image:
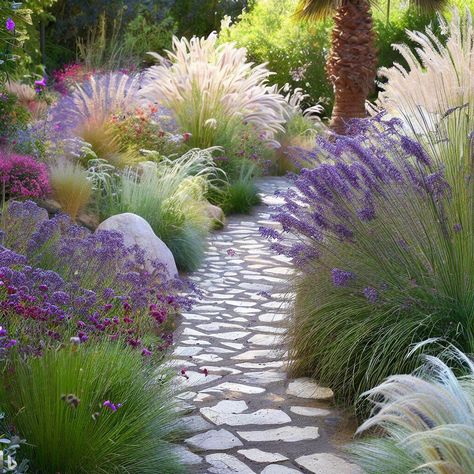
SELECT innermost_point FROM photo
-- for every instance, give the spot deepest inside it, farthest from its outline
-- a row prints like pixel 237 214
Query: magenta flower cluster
pixel 22 177
pixel 59 282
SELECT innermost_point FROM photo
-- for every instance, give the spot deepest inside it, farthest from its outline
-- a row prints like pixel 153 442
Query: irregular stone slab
pixel 260 417
pixel 272 317
pixel 137 231
pixel 214 440
pixel 251 355
pixel 307 388
pixel 310 411
pixel 201 397
pixel 216 326
pixel 265 340
pixel 193 424
pixel 186 456
pixel 257 455
pixel 263 377
pixel 187 351
pixel 195 378
pixel 230 336
pixel 261 365
pixel 326 463
pixel 228 407
pixel 226 464
pixel 278 469
pixel 236 387
pixel 270 329
pixel 233 345
pixel 186 395
pixel 287 434
pixel 208 358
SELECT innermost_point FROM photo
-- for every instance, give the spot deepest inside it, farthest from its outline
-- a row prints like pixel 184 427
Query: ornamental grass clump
pixel 425 420
pixel 71 187
pixel 87 111
pixel 92 408
pixel 170 196
pixel 439 76
pixel 384 240
pixel 213 90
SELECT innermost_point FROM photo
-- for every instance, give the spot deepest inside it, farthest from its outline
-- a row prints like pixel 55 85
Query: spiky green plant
pixel 426 421
pixel 171 197
pixel 59 402
pixel 241 194
pixel 212 90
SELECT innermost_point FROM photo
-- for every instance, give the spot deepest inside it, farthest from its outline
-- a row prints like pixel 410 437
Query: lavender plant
pixel 384 240
pixel 59 281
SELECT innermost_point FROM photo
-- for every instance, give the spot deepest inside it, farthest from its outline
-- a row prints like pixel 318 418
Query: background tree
pixel 352 62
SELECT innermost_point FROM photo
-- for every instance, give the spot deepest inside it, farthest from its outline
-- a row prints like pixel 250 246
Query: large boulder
pixel 216 216
pixel 137 231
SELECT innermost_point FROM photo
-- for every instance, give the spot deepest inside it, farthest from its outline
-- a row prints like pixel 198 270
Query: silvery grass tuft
pixel 426 420
pixel 383 235
pixel 212 90
pixel 438 78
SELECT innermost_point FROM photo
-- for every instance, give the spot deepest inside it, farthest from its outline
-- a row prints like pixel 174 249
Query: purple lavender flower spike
pixel 341 278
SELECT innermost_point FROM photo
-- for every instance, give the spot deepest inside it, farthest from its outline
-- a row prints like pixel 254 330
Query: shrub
pixel 71 187
pixel 61 281
pixel 170 196
pixel 22 176
pixel 427 421
pixel 212 90
pixel 14 117
pixel 385 243
pixel 92 408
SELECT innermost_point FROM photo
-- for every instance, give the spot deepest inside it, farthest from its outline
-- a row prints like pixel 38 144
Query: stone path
pixel 243 414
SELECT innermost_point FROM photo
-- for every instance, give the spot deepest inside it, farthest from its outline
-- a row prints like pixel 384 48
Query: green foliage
pixel 295 51
pixel 14 116
pixel 57 400
pixel 170 197
pixel 241 194
pixel 143 35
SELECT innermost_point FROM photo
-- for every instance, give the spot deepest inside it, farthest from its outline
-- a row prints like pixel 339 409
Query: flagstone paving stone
pixel 244 413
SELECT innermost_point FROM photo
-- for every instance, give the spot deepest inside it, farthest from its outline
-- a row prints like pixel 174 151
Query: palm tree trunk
pixel 352 63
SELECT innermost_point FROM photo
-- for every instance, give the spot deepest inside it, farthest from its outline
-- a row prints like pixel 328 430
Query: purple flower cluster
pixel 22 176
pixel 59 281
pixel 358 184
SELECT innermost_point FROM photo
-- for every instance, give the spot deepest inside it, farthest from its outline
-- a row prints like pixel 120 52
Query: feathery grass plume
pixel 212 89
pixel 27 98
pixel 426 420
pixel 71 186
pixel 92 408
pixel 439 77
pixel 170 196
pixel 385 244
pixel 87 110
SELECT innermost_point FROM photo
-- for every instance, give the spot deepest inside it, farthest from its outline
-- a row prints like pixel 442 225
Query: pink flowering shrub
pixel 22 177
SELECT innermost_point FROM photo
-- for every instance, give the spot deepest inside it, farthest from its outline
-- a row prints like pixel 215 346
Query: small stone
pixel 310 411
pixel 214 440
pixel 325 463
pixel 287 434
pixel 226 464
pixel 261 456
pixel 307 388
